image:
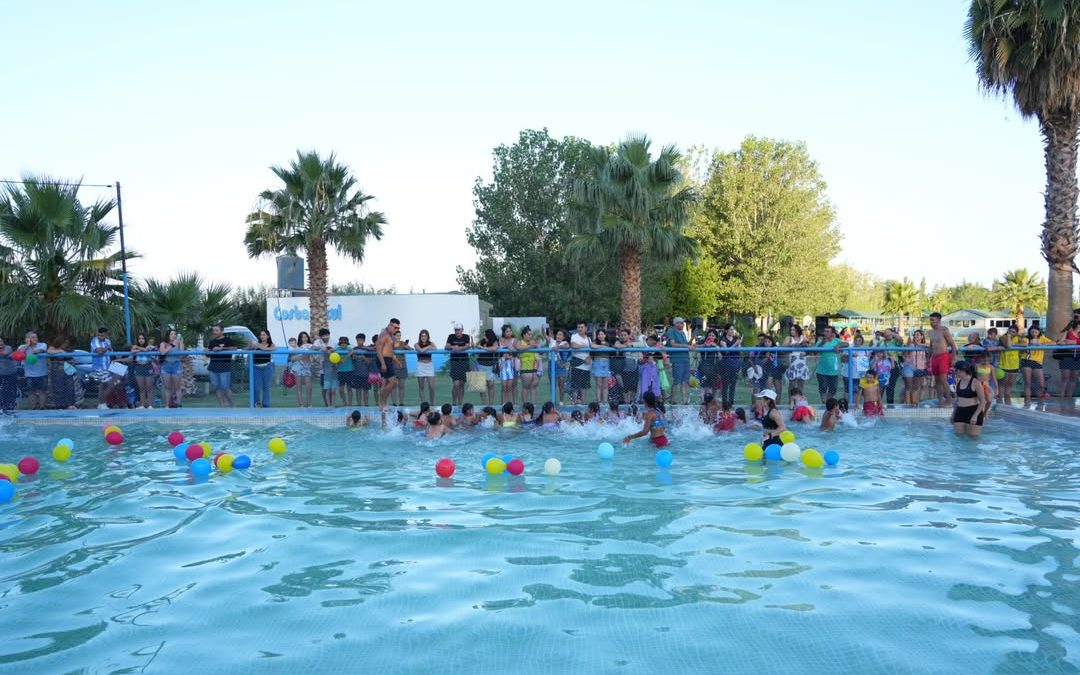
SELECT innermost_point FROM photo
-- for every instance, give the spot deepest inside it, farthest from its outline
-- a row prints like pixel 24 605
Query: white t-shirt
pixel 579 340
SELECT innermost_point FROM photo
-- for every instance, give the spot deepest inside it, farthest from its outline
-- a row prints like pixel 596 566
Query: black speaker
pixel 820 322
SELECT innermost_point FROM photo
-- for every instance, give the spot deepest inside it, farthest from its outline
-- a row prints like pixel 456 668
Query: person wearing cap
pixel 680 360
pixel 772 422
pixel 458 342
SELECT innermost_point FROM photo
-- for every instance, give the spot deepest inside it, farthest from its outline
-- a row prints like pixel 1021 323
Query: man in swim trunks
pixel 384 353
pixel 942 350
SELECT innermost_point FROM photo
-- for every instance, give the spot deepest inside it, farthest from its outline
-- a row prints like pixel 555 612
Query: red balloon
pixel 176 438
pixel 114 438
pixel 515 466
pixel 193 452
pixel 28 466
pixel 18 356
pixel 4 476
pixel 445 467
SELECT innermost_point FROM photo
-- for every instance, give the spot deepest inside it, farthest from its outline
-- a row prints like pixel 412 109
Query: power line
pixel 39 182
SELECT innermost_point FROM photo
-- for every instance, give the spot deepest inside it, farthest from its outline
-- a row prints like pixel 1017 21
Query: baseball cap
pixel 767 393
pixel 458 326
pixel 679 319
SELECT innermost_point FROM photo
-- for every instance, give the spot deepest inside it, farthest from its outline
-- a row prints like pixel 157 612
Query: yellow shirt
pixel 1010 360
pixel 1037 355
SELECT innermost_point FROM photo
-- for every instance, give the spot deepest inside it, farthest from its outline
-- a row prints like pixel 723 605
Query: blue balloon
pixel 605 450
pixel 66 441
pixel 201 467
pixel 773 453
pixel 484 461
pixel 241 462
pixel 7 491
pixel 180 452
pixel 832 458
pixel 507 458
pixel 664 459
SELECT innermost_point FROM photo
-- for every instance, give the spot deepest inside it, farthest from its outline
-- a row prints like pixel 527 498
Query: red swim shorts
pixel 801 413
pixel 873 409
pixel 940 364
pixel 660 441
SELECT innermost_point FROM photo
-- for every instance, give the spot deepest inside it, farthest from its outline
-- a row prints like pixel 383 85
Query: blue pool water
pixel 920 553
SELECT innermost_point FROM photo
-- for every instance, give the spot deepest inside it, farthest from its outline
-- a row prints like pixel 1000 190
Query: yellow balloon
pixel 753 452
pixel 787 437
pixel 61 453
pixel 206 448
pixel 495 465
pixel 335 357
pixel 813 459
pixel 11 471
pixel 276 445
pixel 224 463
pixel 694 383
pixel 111 428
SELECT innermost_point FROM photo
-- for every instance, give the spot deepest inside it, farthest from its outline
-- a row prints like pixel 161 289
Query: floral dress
pixel 797 368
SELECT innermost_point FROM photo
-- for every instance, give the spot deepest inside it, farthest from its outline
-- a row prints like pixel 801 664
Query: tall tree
pixel 767 223
pixel 1018 290
pixel 903 299
pixel 520 233
pixel 633 208
pixel 318 205
pixel 58 275
pixel 1031 50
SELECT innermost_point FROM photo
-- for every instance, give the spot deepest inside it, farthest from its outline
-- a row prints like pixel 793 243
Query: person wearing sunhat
pixel 772 422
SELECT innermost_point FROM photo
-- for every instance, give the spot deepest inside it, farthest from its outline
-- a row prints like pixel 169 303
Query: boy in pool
pixel 831 416
pixel 447 411
pixel 467 417
pixel 355 420
pixel 870 391
pixel 435 426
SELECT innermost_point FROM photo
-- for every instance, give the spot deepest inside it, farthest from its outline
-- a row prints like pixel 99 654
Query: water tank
pixel 290 272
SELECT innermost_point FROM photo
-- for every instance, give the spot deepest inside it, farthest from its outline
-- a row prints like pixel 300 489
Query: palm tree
pixel 57 275
pixel 317 205
pixel 186 304
pixel 1031 49
pixel 903 299
pixel 632 207
pixel 1019 290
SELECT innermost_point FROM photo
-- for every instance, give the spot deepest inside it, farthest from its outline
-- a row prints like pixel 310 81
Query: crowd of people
pixel 603 366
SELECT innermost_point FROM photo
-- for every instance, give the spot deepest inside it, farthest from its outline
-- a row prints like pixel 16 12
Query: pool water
pixel 919 553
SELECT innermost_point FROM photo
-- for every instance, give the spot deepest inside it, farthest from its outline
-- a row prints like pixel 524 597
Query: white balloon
pixel 790 452
pixel 552 467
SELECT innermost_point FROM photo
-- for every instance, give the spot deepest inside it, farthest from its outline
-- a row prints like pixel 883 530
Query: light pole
pixel 123 266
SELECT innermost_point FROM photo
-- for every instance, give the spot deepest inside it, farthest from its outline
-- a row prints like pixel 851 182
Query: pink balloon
pixel 193 452
pixel 445 467
pixel 114 438
pixel 28 466
pixel 515 466
pixel 176 438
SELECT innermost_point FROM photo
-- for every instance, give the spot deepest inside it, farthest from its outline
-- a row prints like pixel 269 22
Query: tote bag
pixel 476 380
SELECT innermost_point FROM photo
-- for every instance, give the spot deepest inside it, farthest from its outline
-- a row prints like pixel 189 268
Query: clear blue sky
pixel 188 103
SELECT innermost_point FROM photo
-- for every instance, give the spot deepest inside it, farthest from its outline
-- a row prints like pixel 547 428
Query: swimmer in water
pixel 355 420
pixel 435 426
pixel 740 418
pixel 467 417
pixel 576 416
pixel 726 420
pixel 831 416
pixel 653 423
pixel 420 420
pixel 549 416
pixel 508 418
pixel 528 413
pixel 447 412
pixel 592 414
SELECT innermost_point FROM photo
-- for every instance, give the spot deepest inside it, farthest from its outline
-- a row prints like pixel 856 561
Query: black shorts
pixel 1028 363
pixel 458 368
pixel 389 371
pixel 1070 364
pixel 345 379
pixel 37 383
pixel 966 415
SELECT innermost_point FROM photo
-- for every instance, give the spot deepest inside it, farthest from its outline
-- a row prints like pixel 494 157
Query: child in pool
pixel 614 415
pixel 508 418
pixel 488 417
pixel 435 426
pixel 740 418
pixel 726 420
pixel 467 417
pixel 355 420
pixel 528 413
pixel 870 391
pixel 592 414
pixel 420 420
pixel 549 416
pixel 801 407
pixel 447 412
pixel 831 416
pixel 576 416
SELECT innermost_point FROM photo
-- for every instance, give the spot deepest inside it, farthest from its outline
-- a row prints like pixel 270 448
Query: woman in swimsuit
pixel 425 368
pixel 508 418
pixel 171 368
pixel 772 422
pixel 972 403
pixel 531 367
pixel 507 371
pixel 653 424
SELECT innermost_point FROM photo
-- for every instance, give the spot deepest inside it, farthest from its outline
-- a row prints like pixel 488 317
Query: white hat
pixel 767 393
pixel 458 326
pixel 754 372
pixel 679 319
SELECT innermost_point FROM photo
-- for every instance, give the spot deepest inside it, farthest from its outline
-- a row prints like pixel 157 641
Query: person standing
pixel 680 361
pixel 8 377
pixel 891 338
pixel 361 377
pixel 345 371
pixel 62 377
pixel 172 368
pixel 384 355
pixel 627 375
pixel 1031 365
pixel 506 371
pixel 531 364
pixel 942 352
pixel 100 346
pixel 35 370
pixel 797 372
pixel 264 368
pixel 143 354
pixel 401 369
pixel 220 367
pixel 1070 362
pixel 828 367
pixel 601 366
pixel 459 343
pixel 729 364
pixel 425 367
pixel 580 361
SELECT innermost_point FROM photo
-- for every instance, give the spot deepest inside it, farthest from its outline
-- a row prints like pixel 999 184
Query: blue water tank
pixel 290 272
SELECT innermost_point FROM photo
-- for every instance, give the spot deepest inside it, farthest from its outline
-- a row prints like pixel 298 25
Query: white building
pixel 963 321
pixel 369 314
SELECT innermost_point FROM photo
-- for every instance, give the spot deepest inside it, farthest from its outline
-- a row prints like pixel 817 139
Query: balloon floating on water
pixel 786 436
pixel 515 466
pixel 114 438
pixel 241 462
pixel 225 463
pixel 495 465
pixel 753 452
pixel 772 453
pixel 10 472
pixel 276 445
pixel 445 467
pixel 180 452
pixel 7 490
pixel 176 438
pixel 664 459
pixel 201 467
pixel 62 453
pixel 832 458
pixel 67 442
pixel 812 458
pixel 605 450
pixel 193 452
pixel 28 466
pixel 790 452
pixel 552 467
pixel 485 458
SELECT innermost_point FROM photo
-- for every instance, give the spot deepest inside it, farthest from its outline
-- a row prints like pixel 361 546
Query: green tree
pixel 633 208
pixel 249 306
pixel 1018 290
pixel 1028 48
pixel 862 292
pixel 965 295
pixel 57 274
pixel 903 299
pixel 520 233
pixel 767 223
pixel 318 205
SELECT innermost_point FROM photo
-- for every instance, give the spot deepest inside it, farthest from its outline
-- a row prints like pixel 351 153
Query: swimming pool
pixel 920 553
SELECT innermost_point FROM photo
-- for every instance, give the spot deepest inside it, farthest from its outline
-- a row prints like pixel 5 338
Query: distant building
pixel 984 319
